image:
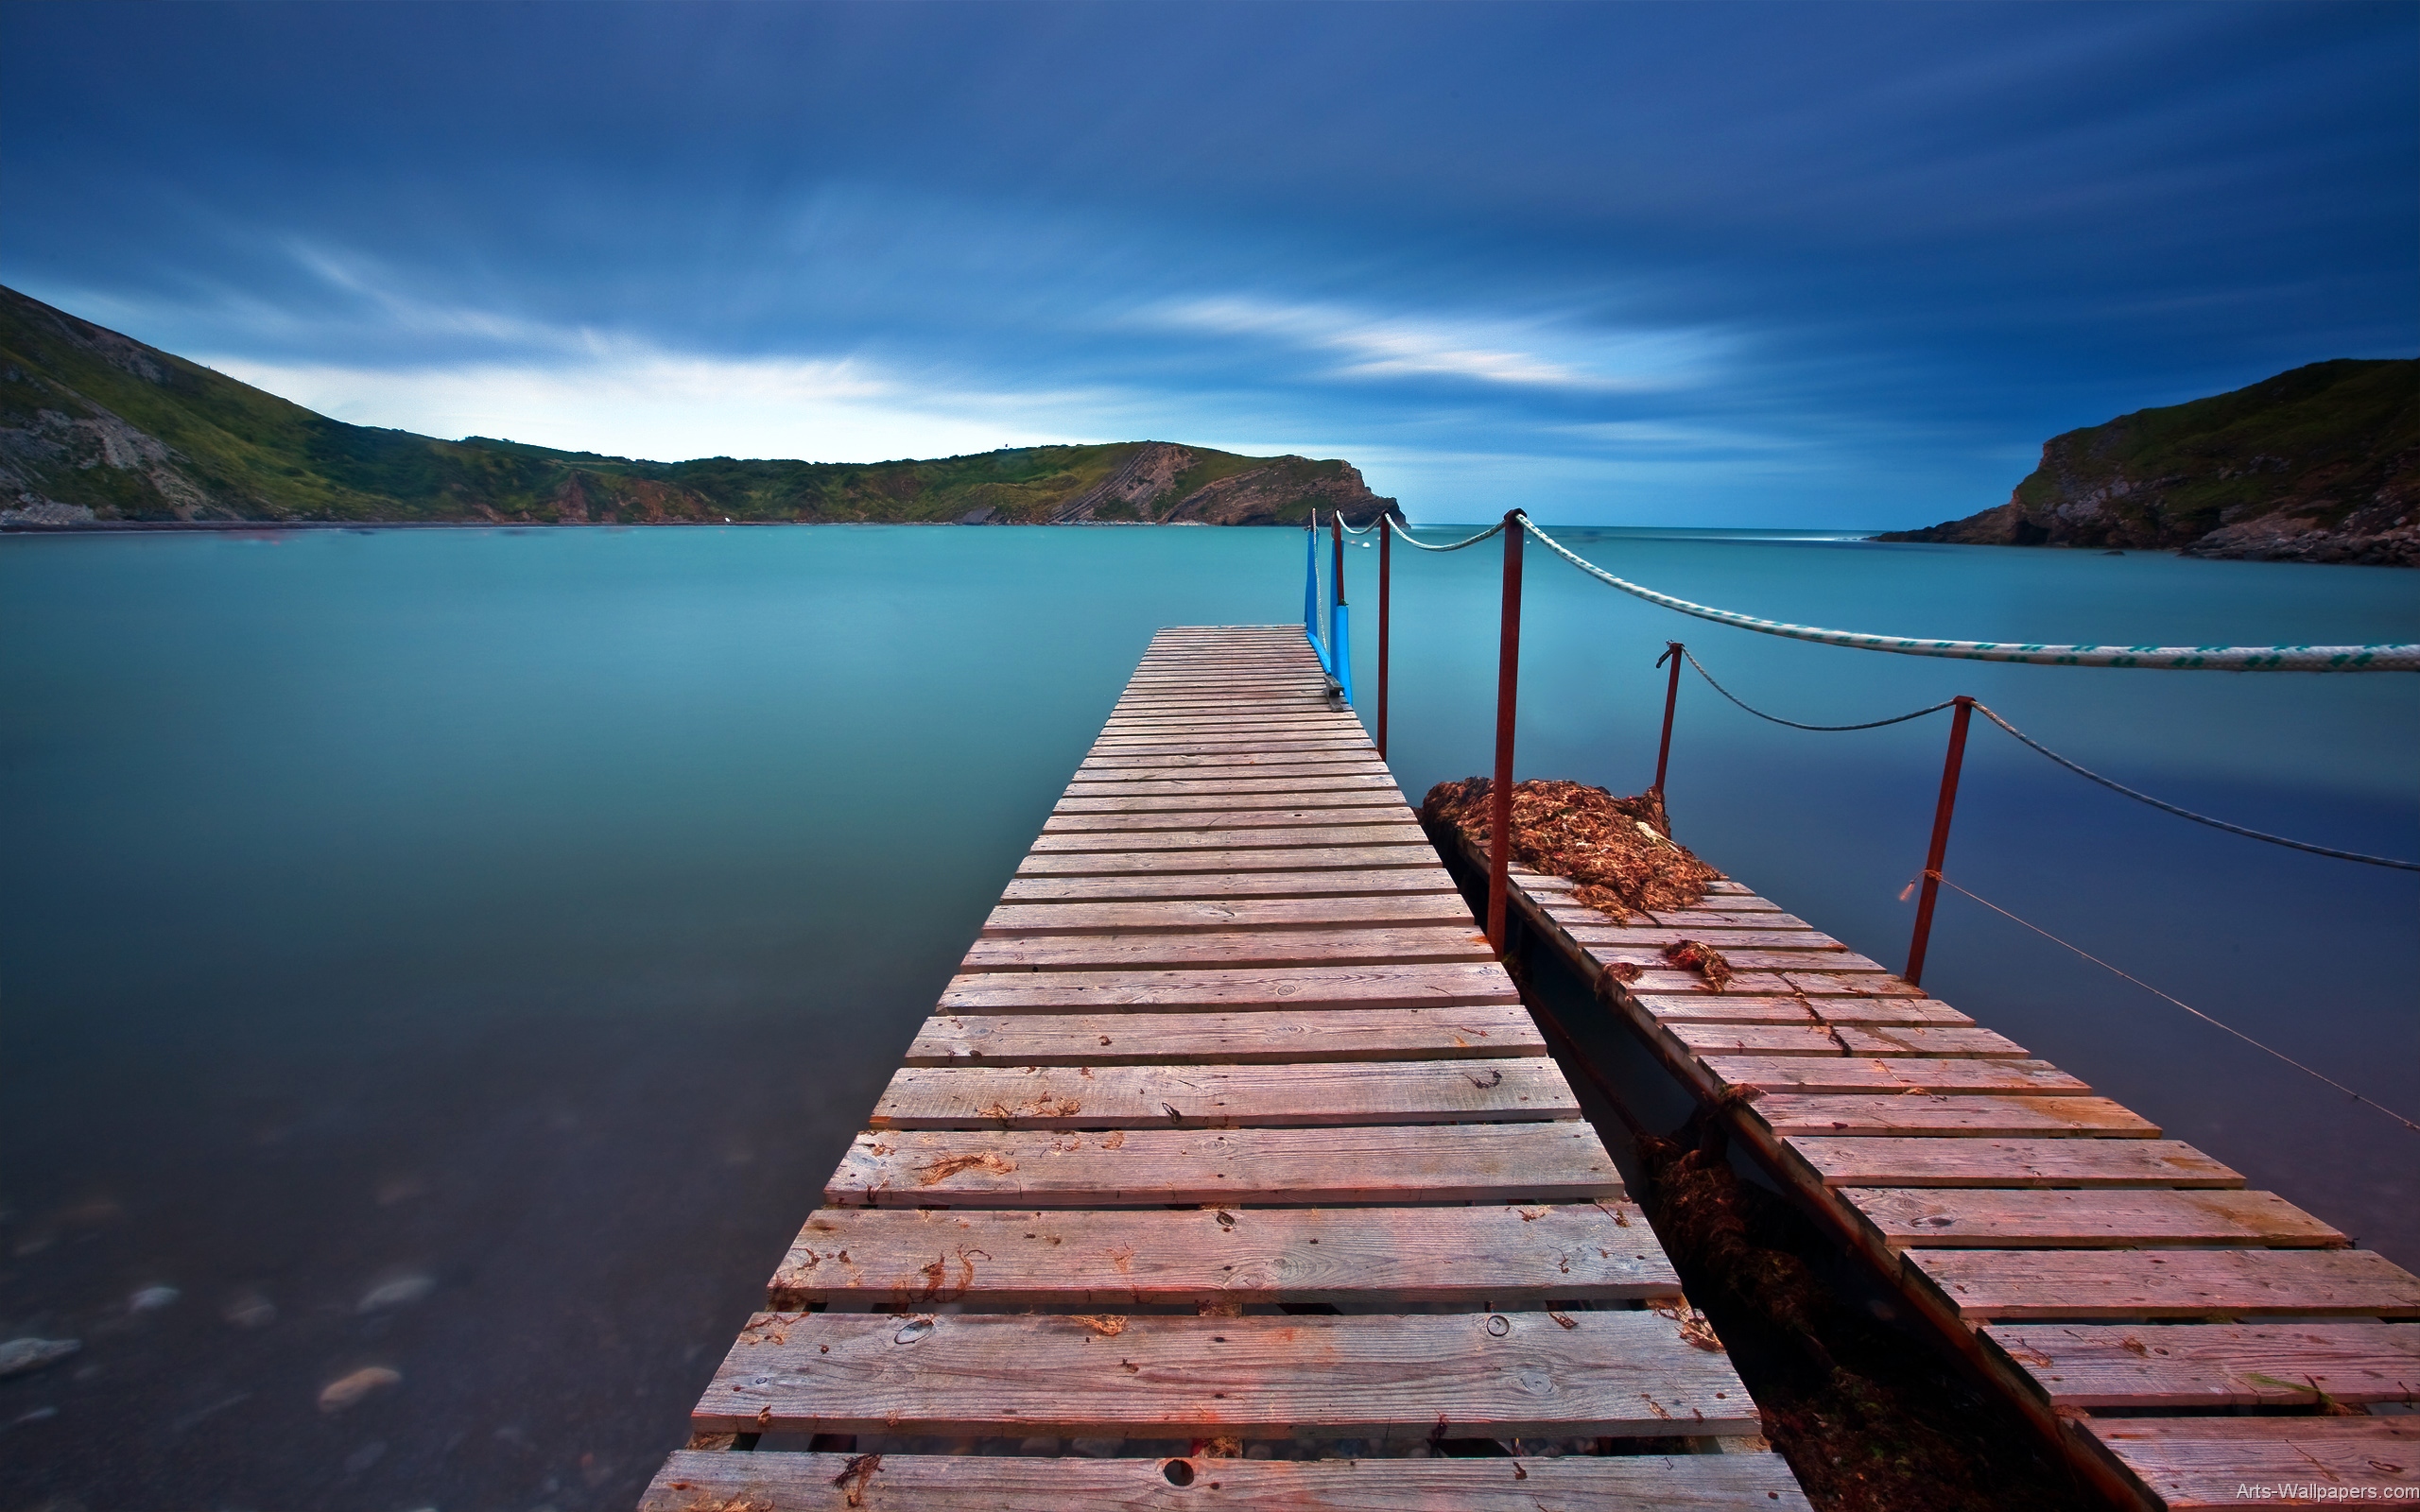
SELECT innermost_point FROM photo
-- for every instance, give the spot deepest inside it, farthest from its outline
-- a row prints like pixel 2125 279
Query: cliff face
pixel 2319 464
pixel 96 427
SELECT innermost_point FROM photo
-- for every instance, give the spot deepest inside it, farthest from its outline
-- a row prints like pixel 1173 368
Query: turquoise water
pixel 478 946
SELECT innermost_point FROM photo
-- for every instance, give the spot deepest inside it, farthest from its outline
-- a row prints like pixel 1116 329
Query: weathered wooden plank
pixel 1395 984
pixel 1948 1042
pixel 1903 1074
pixel 2246 1462
pixel 1511 1256
pixel 1832 960
pixel 1289 748
pixel 1215 808
pixel 1254 884
pixel 1973 1162
pixel 2147 1283
pixel 1953 1117
pixel 1730 942
pixel 1688 918
pixel 1240 1037
pixel 1994 1219
pixel 1707 1007
pixel 696 1481
pixel 1195 914
pixel 1559 1162
pixel 1626 1373
pixel 1293 947
pixel 1360 811
pixel 1146 784
pixel 1298 837
pixel 1223 1096
pixel 1213 861
pixel 2132 1368
pixel 1256 763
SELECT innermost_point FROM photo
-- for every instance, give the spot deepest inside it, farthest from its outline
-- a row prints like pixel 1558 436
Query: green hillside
pixel 2321 463
pixel 96 426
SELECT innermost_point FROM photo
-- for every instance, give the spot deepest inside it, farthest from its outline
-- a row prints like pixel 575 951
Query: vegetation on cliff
pixel 96 426
pixel 2318 464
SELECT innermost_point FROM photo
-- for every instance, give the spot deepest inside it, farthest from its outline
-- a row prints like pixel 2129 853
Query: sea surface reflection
pixel 441 967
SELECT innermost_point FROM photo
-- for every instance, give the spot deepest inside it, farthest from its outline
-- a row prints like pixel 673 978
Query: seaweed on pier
pixel 1869 1419
pixel 1620 851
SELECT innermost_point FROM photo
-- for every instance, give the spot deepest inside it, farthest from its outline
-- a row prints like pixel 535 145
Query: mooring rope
pixel 2075 766
pixel 2087 772
pixel 1403 533
pixel 2180 1002
pixel 1871 724
pixel 2381 658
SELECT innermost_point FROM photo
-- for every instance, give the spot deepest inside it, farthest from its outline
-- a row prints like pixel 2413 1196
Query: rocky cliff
pixel 2319 464
pixel 97 428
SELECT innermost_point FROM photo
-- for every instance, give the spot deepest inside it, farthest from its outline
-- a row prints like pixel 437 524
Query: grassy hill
pixel 95 427
pixel 2320 464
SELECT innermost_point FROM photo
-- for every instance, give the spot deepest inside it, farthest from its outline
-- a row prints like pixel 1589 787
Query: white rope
pixel 1404 534
pixel 2383 658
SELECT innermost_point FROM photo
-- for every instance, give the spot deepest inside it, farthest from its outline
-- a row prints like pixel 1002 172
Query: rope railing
pixel 2096 960
pixel 2380 657
pixel 1403 533
pixel 2071 765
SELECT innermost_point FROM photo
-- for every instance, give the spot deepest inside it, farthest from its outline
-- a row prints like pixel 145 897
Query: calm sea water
pixel 465 953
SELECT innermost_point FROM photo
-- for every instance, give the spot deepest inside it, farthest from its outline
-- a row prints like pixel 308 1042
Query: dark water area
pixel 464 954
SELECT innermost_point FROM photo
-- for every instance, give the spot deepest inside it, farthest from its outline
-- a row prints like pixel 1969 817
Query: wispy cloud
pixel 1534 352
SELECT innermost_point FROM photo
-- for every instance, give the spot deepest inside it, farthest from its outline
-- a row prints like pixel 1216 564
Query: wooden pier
pixel 1229 1172
pixel 2187 1342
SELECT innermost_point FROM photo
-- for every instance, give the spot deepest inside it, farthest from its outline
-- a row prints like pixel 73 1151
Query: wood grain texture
pixel 1223 1096
pixel 1200 915
pixel 1364 809
pixel 767 1481
pixel 1211 861
pixel 1619 1373
pixel 1707 1007
pixel 1814 1074
pixel 1242 1038
pixel 1214 807
pixel 1953 1117
pixel 1148 783
pixel 1980 1162
pixel 1297 947
pixel 1396 881
pixel 1992 1219
pixel 1439 985
pixel 1298 837
pixel 1433 1163
pixel 1943 1043
pixel 2129 1367
pixel 2246 1462
pixel 2183 1284
pixel 1367 1256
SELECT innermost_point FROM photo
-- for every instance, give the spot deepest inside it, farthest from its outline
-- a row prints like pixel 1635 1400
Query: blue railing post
pixel 1340 645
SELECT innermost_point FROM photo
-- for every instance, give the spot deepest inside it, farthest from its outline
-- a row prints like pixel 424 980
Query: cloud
pixel 626 400
pixel 1523 353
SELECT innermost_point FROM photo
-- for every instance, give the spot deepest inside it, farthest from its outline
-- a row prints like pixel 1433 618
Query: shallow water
pixel 465 953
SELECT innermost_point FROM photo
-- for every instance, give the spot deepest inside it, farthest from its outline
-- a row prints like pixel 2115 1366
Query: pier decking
pixel 2189 1342
pixel 1230 1140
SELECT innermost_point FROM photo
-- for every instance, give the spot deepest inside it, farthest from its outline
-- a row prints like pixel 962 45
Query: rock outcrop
pixel 2319 464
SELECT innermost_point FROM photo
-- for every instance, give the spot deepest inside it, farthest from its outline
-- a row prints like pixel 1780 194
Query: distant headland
pixel 2318 464
pixel 99 431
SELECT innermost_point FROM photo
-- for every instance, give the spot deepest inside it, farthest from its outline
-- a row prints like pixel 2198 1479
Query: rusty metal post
pixel 1941 811
pixel 1508 676
pixel 1385 583
pixel 1672 696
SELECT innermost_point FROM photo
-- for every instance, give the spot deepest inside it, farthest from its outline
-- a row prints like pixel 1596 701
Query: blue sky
pixel 1723 264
